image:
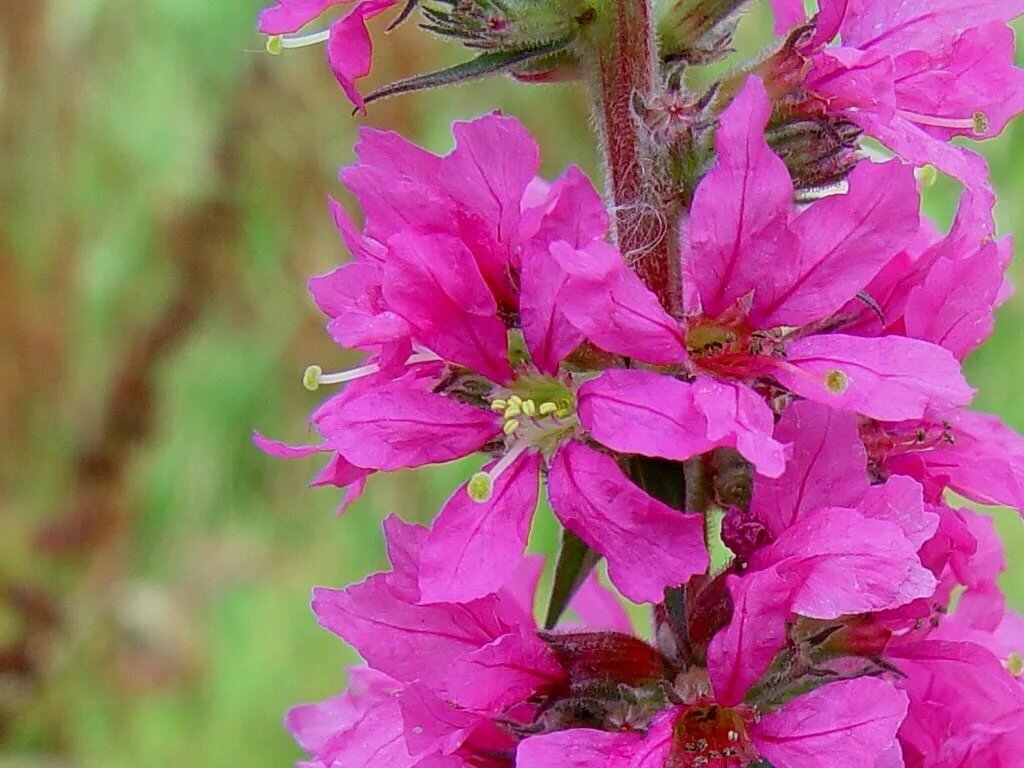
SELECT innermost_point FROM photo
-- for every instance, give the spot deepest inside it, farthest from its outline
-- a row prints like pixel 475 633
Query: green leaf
pixel 575 562
pixel 485 64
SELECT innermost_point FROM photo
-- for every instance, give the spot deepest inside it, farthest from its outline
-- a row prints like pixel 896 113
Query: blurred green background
pixel 163 186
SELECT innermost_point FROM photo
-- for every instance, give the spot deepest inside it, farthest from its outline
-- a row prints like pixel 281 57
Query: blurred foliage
pixel 163 188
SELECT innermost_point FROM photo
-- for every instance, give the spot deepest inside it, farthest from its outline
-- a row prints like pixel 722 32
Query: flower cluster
pixel 794 398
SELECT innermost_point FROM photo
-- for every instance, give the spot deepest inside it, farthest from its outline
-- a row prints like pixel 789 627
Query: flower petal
pixel 828 466
pixel 577 748
pixel 737 228
pixel 350 50
pixel 612 307
pixel 648 545
pixel 434 283
pixel 890 378
pixel 843 241
pixel 848 724
pixel 473 547
pixel 393 427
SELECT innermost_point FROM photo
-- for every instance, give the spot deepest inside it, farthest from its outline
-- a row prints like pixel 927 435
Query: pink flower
pixel 479 280
pixel 847 724
pixel 349 48
pixel 911 74
pixel 768 280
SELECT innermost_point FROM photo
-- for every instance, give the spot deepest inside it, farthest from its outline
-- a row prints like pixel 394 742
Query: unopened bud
pixel 818 152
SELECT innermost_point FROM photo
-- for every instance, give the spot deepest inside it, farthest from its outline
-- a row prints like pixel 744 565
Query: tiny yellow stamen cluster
pixel 515 407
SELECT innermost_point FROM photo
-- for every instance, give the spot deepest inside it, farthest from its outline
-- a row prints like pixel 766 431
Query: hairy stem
pixel 626 69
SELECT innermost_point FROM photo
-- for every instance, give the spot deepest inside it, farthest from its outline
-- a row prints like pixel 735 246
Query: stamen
pixel 1015 664
pixel 836 382
pixel 498 406
pixel 529 408
pixel 277 43
pixel 547 408
pixel 510 426
pixel 480 487
pixel 977 123
pixel 314 375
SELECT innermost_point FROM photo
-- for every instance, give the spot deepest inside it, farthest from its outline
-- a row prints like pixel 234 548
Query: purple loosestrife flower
pixel 766 280
pixel 349 48
pixel 472 279
pixel 912 74
pixel 846 724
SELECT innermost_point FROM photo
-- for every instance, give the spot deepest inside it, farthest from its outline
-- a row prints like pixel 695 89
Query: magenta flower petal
pixel 548 334
pixel 612 307
pixel 573 213
pixel 829 563
pixel 351 296
pixel 963 704
pixel 739 654
pixel 431 724
pixel 393 427
pixel 633 411
pixel 844 240
pixel 847 563
pixel 739 417
pixel 404 640
pixel 357 729
pixel 473 547
pixel 350 50
pixel 504 673
pixel 287 16
pixel 889 378
pixel 737 228
pixel 599 607
pixel 286 450
pixel 848 724
pixel 828 466
pixel 433 282
pixel 900 500
pixel 895 26
pixel 653 415
pixel 494 161
pixel 578 748
pixel 788 14
pixel 648 545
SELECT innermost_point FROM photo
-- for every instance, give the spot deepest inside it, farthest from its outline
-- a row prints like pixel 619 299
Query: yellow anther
pixel 512 411
pixel 498 406
pixel 510 426
pixel 563 413
pixel 274 45
pixel 1015 664
pixel 547 408
pixel 311 378
pixel 529 408
pixel 836 382
pixel 980 122
pixel 480 487
pixel 515 400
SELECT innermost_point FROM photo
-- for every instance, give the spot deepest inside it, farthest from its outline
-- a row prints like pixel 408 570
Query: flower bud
pixel 818 152
pixel 510 25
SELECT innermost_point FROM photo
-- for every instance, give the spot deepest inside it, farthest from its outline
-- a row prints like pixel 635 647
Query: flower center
pixel 539 413
pixel 710 736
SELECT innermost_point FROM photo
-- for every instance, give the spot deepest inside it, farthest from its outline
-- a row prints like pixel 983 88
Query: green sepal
pixel 490 63
pixel 575 562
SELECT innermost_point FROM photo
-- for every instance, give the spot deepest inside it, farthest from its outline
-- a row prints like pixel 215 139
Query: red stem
pixel 643 230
